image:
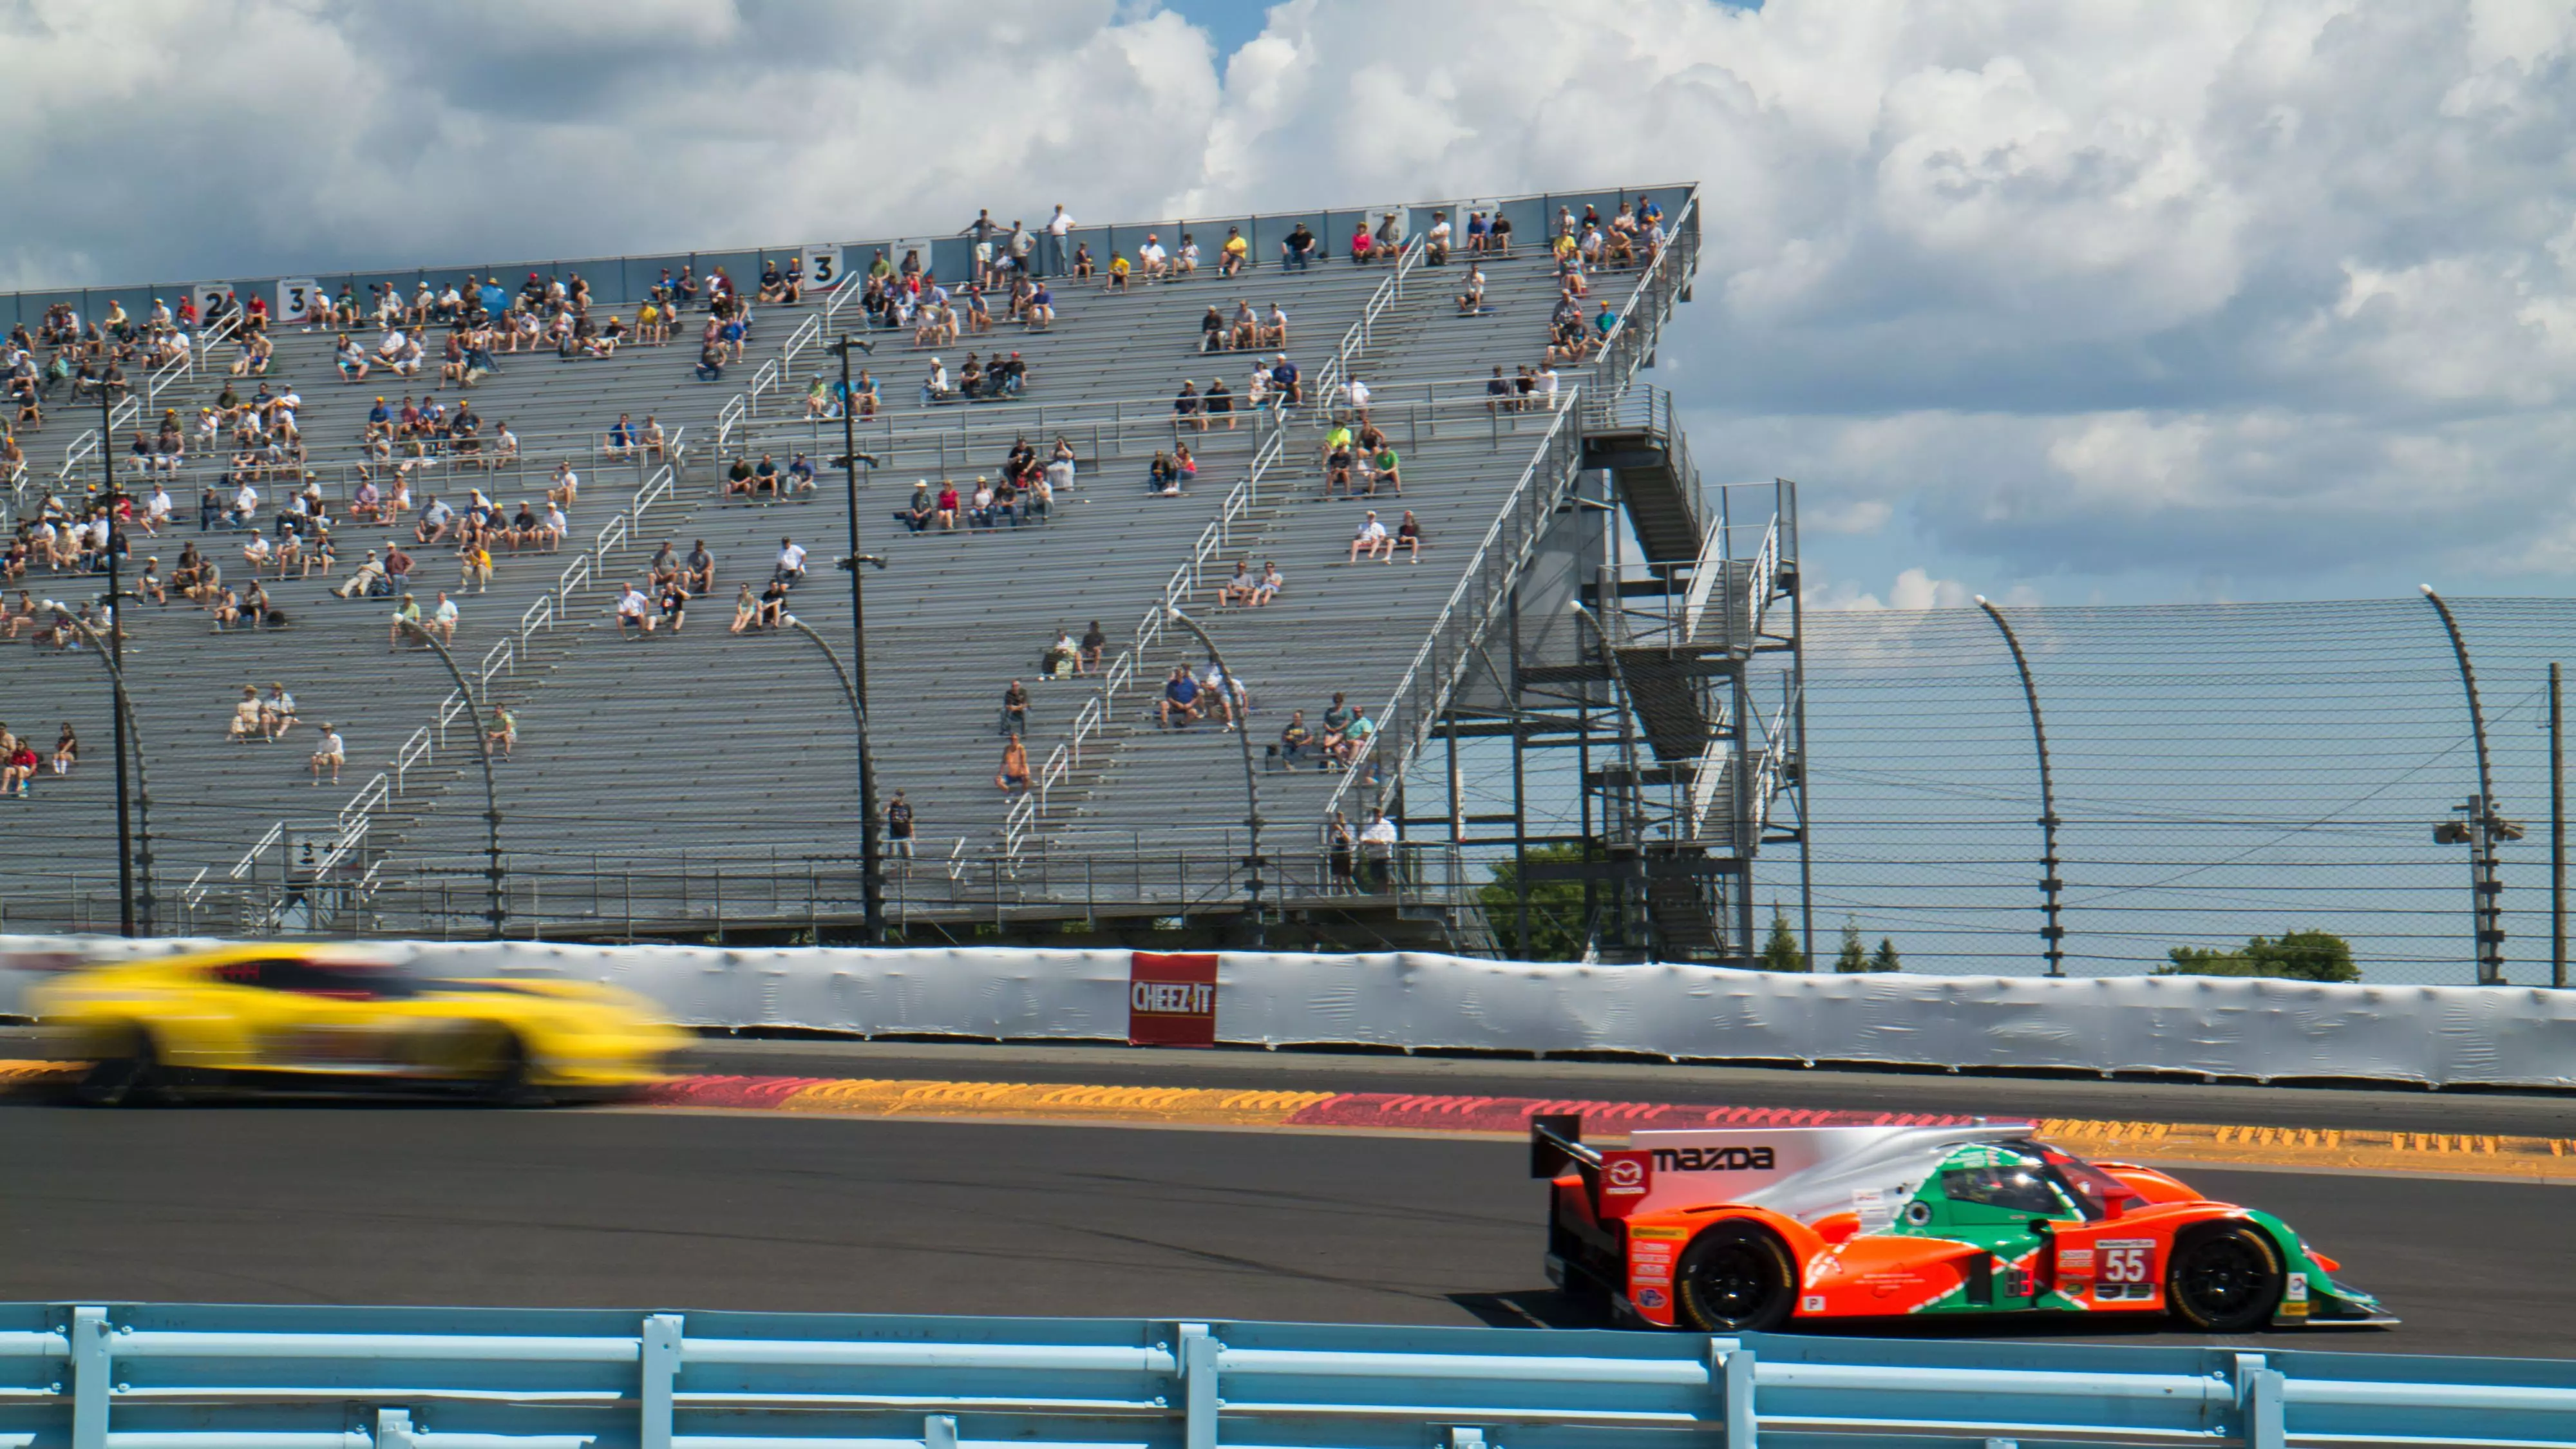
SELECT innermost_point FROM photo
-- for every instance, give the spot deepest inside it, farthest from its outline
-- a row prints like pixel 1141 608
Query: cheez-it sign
pixel 1171 1000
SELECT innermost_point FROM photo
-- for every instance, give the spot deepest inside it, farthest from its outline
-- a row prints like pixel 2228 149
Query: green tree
pixel 1780 952
pixel 2294 956
pixel 1884 959
pixel 1853 959
pixel 1556 906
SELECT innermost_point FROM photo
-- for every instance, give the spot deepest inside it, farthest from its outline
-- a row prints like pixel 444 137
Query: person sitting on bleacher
pixel 1212 331
pixel 920 513
pixel 935 387
pixel 369 579
pixel 437 522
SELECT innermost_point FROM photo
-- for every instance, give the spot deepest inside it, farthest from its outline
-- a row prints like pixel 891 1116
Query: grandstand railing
pixel 1483 591
pixel 1095 716
pixel 1661 286
pixel 570 894
pixel 1334 376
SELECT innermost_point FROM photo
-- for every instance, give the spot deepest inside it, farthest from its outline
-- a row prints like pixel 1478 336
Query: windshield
pixel 2097 1192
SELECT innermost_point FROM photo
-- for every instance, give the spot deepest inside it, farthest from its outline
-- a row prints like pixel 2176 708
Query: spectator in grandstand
pixel 1093 643
pixel 773 605
pixel 1435 242
pixel 1180 700
pixel 674 603
pixel 921 512
pixel 1185 405
pixel 329 753
pixel 699 571
pixel 1272 581
pixel 711 362
pixel 367 579
pixel 791 562
pixel 1377 851
pixel 1363 246
pixel 1294 740
pixel 276 713
pixel 899 817
pixel 1471 297
pixel 17 768
pixel 1238 590
pixel 1151 258
pixel 406 618
pixel 443 619
pixel 1273 331
pixel 1212 330
pixel 1163 476
pixel 1013 777
pixel 1284 381
pixel 935 387
pixel 1118 270
pixel 502 735
pixel 1371 539
pixel 632 612
pixel 1058 227
pixel 1015 709
pixel 1408 537
pixel 746 611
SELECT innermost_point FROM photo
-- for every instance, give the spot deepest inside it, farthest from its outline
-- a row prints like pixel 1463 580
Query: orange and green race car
pixel 336 1016
pixel 1747 1230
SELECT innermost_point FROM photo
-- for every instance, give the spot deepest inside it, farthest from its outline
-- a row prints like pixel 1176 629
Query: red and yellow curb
pixel 2529 1159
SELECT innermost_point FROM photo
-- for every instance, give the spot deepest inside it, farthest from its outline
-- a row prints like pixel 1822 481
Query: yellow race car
pixel 285 1015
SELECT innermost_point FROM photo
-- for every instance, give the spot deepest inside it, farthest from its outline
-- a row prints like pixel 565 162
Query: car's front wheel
pixel 2224 1278
pixel 1736 1278
pixel 127 1074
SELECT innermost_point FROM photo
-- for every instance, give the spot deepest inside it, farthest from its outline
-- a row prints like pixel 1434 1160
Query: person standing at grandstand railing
pixel 1058 227
pixel 1377 851
pixel 898 827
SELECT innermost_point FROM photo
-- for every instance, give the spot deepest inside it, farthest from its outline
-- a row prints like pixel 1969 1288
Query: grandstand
pixel 701 781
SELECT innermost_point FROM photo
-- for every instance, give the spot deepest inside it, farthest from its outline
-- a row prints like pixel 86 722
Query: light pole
pixel 134 862
pixel 2484 827
pixel 1251 790
pixel 871 875
pixel 483 750
pixel 2051 935
pixel 116 656
pixel 870 886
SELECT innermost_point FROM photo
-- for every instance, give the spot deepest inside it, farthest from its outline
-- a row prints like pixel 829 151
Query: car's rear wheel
pixel 127 1074
pixel 2224 1278
pixel 1736 1278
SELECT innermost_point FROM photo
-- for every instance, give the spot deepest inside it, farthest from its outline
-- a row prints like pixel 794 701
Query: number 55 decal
pixel 2128 1261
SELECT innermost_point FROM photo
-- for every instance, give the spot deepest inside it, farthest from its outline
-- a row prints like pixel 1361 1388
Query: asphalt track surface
pixel 343 1203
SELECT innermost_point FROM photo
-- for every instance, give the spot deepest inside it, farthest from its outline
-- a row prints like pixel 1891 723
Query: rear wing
pixel 1556 1143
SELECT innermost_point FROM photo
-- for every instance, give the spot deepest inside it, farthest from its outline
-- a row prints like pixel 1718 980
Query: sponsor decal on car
pixel 1715 1159
pixel 2294 1296
pixel 2075 1260
pixel 1660 1234
pixel 1812 1303
pixel 1650 1297
pixel 1627 1175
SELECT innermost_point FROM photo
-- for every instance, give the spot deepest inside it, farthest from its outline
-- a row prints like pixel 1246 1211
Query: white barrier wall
pixel 2441 1035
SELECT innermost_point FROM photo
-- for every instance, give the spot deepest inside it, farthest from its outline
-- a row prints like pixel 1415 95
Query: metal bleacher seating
pixel 682 780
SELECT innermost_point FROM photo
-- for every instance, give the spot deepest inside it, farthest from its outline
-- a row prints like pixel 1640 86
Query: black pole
pixel 142 779
pixel 2053 934
pixel 1251 790
pixel 116 659
pixel 2486 892
pixel 2557 838
pixel 495 911
pixel 871 871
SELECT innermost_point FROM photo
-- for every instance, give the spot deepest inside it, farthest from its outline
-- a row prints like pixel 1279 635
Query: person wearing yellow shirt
pixel 1117 273
pixel 477 571
pixel 1235 253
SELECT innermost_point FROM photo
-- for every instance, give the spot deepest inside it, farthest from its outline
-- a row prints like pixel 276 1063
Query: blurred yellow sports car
pixel 322 1015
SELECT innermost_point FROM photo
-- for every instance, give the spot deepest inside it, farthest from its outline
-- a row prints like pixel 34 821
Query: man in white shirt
pixel 1547 384
pixel 1058 227
pixel 245 505
pixel 791 561
pixel 1370 540
pixel 1153 256
pixel 1377 850
pixel 443 619
pixel 157 512
pixel 330 752
pixel 631 610
pixel 1359 394
pixel 1435 246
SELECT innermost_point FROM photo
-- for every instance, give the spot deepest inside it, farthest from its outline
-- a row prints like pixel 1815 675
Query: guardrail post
pixel 1735 1365
pixel 939 1431
pixel 92 1364
pixel 2259 1406
pixel 661 1368
pixel 394 1429
pixel 1199 1402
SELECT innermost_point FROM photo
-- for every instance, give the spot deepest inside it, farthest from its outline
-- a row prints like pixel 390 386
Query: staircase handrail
pixel 1482 591
pixel 1623 346
pixel 1335 372
pixel 727 417
pixel 1766 774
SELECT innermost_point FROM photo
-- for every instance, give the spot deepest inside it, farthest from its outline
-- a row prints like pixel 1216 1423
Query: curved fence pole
pixel 1251 790
pixel 132 738
pixel 2486 901
pixel 2052 934
pixel 871 877
pixel 497 911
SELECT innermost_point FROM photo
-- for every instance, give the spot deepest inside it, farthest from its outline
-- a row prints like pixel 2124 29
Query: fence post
pixel 1198 1386
pixel 1737 1365
pixel 2052 935
pixel 661 1371
pixel 92 1371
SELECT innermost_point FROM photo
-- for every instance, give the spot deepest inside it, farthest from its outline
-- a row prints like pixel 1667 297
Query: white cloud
pixel 2182 297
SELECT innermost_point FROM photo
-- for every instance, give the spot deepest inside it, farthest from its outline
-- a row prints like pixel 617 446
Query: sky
pixel 2108 302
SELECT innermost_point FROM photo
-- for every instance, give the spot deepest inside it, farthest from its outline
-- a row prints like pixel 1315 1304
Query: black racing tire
pixel 504 1078
pixel 1736 1277
pixel 2224 1278
pixel 129 1074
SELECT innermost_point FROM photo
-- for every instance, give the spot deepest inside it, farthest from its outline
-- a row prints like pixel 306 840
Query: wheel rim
pixel 1736 1281
pixel 2223 1276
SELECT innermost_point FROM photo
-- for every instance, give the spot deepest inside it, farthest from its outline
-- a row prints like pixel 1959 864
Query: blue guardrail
pixel 157 1376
